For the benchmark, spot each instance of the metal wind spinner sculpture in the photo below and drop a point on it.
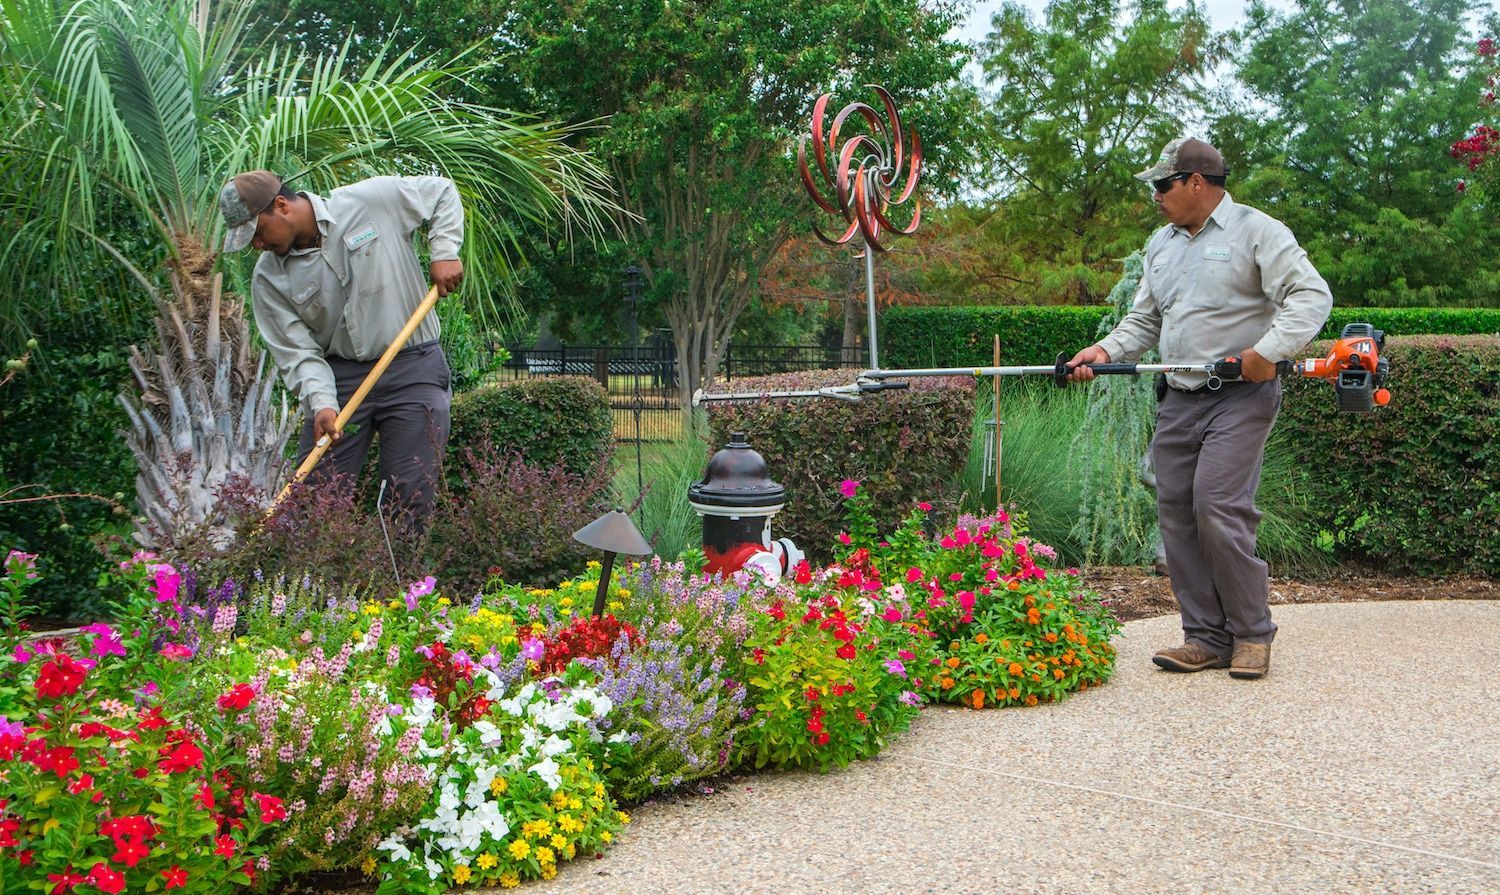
(869, 167)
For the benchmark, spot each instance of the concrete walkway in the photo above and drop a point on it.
(1367, 761)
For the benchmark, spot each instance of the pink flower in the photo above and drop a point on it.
(167, 583)
(419, 589)
(845, 539)
(924, 506)
(107, 642)
(176, 652)
(891, 614)
(913, 575)
(20, 655)
(21, 564)
(849, 487)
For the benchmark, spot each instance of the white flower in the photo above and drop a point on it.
(397, 848)
(548, 770)
(434, 869)
(489, 734)
(554, 745)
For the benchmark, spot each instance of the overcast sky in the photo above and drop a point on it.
(1222, 14)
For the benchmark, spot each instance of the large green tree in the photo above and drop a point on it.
(1343, 131)
(1078, 101)
(705, 100)
(142, 111)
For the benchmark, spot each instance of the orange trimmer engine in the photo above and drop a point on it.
(1355, 368)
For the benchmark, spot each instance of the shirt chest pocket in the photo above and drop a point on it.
(1215, 275)
(366, 270)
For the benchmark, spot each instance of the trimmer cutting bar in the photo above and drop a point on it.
(1217, 372)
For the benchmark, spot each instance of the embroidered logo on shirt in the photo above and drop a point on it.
(354, 241)
(1216, 253)
(305, 293)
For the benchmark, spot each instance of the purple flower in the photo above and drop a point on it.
(167, 583)
(22, 564)
(419, 589)
(11, 728)
(418, 691)
(532, 649)
(848, 487)
(894, 666)
(910, 698)
(21, 655)
(491, 659)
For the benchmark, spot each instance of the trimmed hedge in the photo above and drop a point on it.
(904, 446)
(964, 336)
(1416, 485)
(551, 420)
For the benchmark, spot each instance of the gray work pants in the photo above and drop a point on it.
(1207, 452)
(409, 409)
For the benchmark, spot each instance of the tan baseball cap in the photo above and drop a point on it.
(241, 201)
(1185, 156)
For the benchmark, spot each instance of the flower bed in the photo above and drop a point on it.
(256, 734)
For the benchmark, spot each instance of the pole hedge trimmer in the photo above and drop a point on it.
(864, 187)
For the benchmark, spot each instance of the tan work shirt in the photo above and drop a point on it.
(1242, 282)
(350, 296)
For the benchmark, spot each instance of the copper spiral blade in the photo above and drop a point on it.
(896, 143)
(846, 161)
(807, 180)
(869, 229)
(842, 240)
(909, 229)
(820, 152)
(914, 172)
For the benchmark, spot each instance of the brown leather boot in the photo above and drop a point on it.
(1251, 660)
(1190, 657)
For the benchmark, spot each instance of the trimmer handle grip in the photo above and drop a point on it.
(1060, 371)
(1231, 368)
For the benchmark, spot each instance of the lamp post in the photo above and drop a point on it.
(613, 533)
(633, 284)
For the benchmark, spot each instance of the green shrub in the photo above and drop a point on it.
(1416, 485)
(964, 336)
(905, 446)
(551, 420)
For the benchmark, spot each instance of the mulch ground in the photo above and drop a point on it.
(1134, 592)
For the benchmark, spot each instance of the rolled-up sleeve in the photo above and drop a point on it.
(434, 201)
(297, 354)
(1138, 331)
(1289, 280)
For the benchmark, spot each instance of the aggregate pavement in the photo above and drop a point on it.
(1367, 761)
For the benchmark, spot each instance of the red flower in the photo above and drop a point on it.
(65, 880)
(82, 785)
(804, 573)
(176, 877)
(224, 846)
(106, 879)
(846, 651)
(60, 677)
(152, 720)
(237, 699)
(182, 759)
(8, 830)
(270, 807)
(205, 797)
(821, 739)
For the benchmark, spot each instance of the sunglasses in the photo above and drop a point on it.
(1161, 186)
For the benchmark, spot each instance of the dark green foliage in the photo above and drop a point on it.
(552, 420)
(954, 337)
(964, 336)
(903, 446)
(59, 433)
(1415, 486)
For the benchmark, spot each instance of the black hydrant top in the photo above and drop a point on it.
(737, 476)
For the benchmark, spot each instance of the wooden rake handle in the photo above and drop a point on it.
(374, 375)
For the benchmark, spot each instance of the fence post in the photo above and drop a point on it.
(601, 367)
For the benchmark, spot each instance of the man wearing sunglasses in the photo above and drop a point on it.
(1221, 279)
(336, 281)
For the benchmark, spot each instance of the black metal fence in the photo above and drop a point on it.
(642, 382)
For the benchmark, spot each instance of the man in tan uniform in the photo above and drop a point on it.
(336, 281)
(1221, 279)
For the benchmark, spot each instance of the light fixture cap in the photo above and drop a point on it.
(613, 533)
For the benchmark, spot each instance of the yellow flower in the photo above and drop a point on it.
(461, 874)
(368, 865)
(509, 880)
(372, 608)
(545, 855)
(487, 860)
(559, 800)
(543, 828)
(599, 790)
(607, 836)
(569, 851)
(568, 823)
(558, 840)
(519, 849)
(616, 605)
(549, 871)
(393, 604)
(592, 565)
(498, 786)
(537, 628)
(623, 817)
(596, 802)
(566, 601)
(622, 592)
(442, 601)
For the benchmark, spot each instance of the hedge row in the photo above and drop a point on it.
(1416, 485)
(964, 336)
(548, 421)
(904, 446)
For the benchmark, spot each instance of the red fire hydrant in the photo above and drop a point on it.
(737, 500)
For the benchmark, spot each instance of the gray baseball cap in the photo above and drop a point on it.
(1185, 156)
(241, 201)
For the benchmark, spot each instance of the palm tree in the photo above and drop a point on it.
(121, 121)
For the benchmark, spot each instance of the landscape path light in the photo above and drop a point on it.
(613, 533)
